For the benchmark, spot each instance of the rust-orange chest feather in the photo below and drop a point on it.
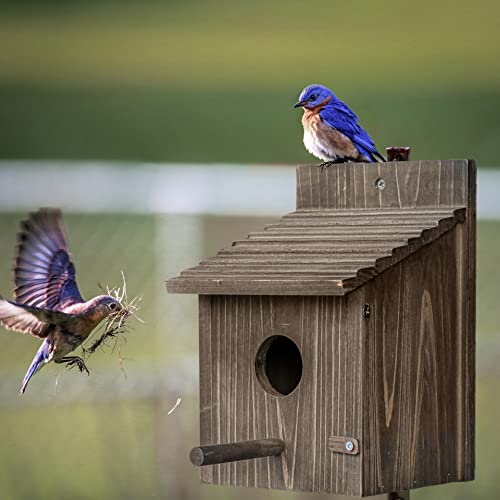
(324, 141)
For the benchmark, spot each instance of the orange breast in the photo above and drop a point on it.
(330, 139)
(311, 120)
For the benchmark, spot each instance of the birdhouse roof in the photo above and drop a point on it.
(353, 221)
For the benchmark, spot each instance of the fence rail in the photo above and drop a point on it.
(214, 189)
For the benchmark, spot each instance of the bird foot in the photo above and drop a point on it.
(326, 164)
(75, 360)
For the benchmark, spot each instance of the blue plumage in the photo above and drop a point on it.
(41, 358)
(340, 117)
(325, 115)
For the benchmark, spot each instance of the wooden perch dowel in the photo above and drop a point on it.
(233, 452)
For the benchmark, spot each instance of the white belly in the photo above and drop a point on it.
(316, 149)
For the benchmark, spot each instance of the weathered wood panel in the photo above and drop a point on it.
(411, 184)
(418, 395)
(326, 403)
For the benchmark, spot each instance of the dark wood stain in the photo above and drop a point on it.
(234, 407)
(418, 399)
(234, 452)
(388, 356)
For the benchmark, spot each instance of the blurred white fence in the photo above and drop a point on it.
(220, 189)
(147, 188)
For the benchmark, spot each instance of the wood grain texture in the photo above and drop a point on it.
(343, 233)
(234, 406)
(412, 184)
(418, 398)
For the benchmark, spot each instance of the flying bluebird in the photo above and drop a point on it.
(47, 302)
(332, 132)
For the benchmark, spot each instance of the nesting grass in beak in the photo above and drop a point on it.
(117, 322)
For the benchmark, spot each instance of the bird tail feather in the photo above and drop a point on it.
(41, 357)
(378, 155)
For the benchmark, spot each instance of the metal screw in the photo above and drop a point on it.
(349, 446)
(366, 310)
(380, 184)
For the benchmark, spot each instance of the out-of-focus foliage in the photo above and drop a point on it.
(214, 80)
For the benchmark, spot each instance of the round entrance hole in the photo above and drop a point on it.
(278, 365)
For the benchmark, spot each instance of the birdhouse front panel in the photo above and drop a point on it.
(286, 367)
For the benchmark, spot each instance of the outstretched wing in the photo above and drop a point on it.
(44, 275)
(48, 316)
(340, 117)
(35, 320)
(20, 320)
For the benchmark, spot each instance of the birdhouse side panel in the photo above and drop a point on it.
(418, 382)
(237, 406)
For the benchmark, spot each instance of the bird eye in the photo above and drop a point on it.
(112, 306)
(313, 97)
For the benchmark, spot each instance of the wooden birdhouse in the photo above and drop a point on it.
(337, 345)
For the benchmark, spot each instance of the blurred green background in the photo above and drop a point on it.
(205, 81)
(215, 80)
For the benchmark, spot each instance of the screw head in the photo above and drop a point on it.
(349, 446)
(380, 184)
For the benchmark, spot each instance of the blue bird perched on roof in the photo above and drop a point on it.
(47, 302)
(332, 132)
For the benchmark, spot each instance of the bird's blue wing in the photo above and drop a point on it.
(339, 116)
(44, 275)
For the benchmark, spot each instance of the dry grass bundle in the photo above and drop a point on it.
(117, 323)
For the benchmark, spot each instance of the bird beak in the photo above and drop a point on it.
(300, 104)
